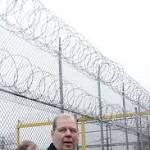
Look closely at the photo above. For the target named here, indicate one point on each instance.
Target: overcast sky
(119, 29)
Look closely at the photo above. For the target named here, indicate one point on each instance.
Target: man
(27, 145)
(64, 133)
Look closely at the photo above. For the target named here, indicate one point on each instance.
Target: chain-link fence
(35, 86)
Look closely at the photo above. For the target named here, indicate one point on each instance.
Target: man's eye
(73, 130)
(62, 130)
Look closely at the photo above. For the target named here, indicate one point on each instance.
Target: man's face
(32, 147)
(65, 136)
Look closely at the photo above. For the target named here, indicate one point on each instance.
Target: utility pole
(137, 129)
(125, 119)
(100, 108)
(60, 77)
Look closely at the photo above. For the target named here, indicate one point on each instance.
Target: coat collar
(51, 147)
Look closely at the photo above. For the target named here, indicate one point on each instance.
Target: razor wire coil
(18, 75)
(33, 22)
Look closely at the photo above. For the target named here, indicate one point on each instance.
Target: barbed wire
(20, 77)
(31, 21)
(17, 74)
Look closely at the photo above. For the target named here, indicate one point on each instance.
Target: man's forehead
(66, 121)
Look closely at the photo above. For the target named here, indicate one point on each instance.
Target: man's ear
(52, 133)
(78, 134)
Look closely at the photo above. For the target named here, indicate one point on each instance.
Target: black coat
(51, 147)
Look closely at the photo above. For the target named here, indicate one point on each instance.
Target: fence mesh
(30, 92)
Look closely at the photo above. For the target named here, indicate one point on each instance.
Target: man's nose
(68, 132)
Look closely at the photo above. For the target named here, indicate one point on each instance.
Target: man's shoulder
(51, 147)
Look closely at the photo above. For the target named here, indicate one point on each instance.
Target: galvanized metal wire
(19, 77)
(39, 90)
(33, 22)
